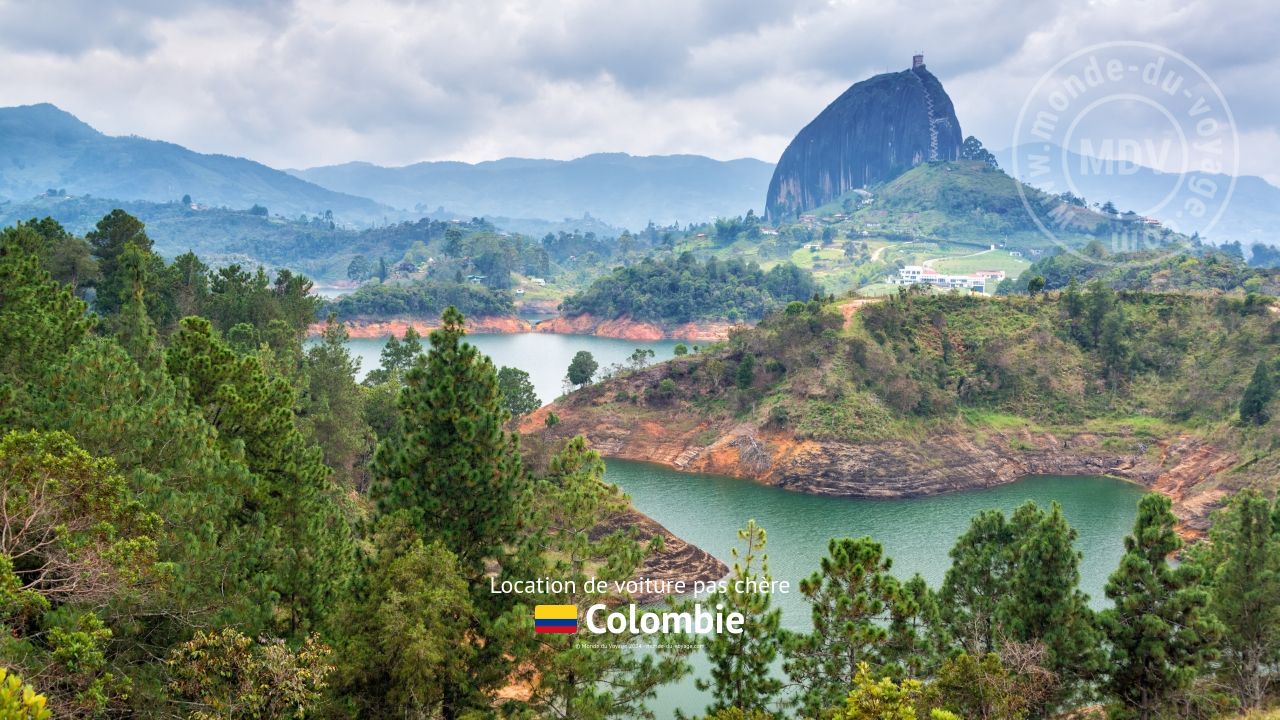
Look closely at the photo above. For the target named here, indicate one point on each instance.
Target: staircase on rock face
(933, 121)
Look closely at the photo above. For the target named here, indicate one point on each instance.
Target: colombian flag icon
(555, 618)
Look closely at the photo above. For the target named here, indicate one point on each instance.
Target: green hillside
(901, 365)
(970, 202)
(1197, 268)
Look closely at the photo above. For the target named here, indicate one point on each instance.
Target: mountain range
(44, 148)
(620, 189)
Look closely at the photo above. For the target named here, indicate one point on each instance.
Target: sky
(301, 83)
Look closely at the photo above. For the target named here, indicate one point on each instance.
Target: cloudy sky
(298, 83)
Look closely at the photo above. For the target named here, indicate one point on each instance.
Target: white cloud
(313, 82)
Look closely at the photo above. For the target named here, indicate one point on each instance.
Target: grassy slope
(967, 203)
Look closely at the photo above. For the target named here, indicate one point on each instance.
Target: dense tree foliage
(518, 395)
(454, 470)
(858, 619)
(682, 289)
(1160, 634)
(424, 298)
(1257, 395)
(581, 678)
(582, 368)
(196, 522)
(1240, 566)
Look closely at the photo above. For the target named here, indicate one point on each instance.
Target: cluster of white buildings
(981, 281)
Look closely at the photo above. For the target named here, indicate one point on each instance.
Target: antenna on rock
(917, 61)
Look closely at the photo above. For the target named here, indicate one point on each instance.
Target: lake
(708, 510)
(544, 356)
(916, 532)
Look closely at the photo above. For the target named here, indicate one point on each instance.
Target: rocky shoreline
(510, 325)
(381, 328)
(627, 329)
(678, 559)
(1187, 469)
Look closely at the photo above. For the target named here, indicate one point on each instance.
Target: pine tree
(454, 475)
(918, 639)
(453, 469)
(311, 561)
(1160, 634)
(978, 579)
(133, 326)
(1257, 395)
(1241, 565)
(332, 408)
(40, 321)
(577, 677)
(741, 664)
(1044, 604)
(398, 355)
(109, 240)
(851, 596)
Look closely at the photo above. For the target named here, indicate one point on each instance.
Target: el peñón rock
(875, 131)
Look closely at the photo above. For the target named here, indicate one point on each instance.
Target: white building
(981, 281)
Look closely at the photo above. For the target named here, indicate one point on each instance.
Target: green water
(917, 533)
(544, 356)
(708, 510)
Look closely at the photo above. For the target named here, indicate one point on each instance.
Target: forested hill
(880, 390)
(1197, 268)
(1066, 357)
(683, 289)
(422, 299)
(321, 248)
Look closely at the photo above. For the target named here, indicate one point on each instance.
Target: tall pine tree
(978, 579)
(851, 597)
(453, 469)
(1160, 634)
(312, 556)
(454, 474)
(741, 664)
(109, 240)
(1044, 605)
(1257, 394)
(578, 677)
(1241, 564)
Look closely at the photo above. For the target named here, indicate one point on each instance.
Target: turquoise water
(917, 533)
(544, 356)
(708, 510)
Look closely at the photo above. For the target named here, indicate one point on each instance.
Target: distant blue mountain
(619, 189)
(43, 147)
(1252, 215)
